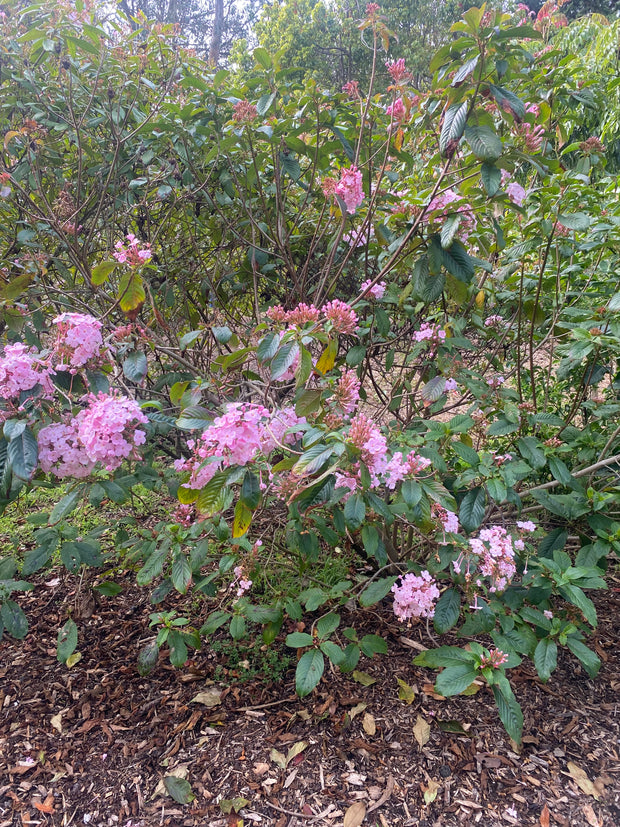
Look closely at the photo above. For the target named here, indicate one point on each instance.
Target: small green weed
(248, 662)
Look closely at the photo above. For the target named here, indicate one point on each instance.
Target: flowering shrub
(381, 323)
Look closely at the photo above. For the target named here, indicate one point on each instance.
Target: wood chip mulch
(91, 745)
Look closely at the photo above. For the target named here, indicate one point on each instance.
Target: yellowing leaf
(243, 518)
(300, 746)
(355, 814)
(406, 693)
(430, 791)
(278, 758)
(131, 292)
(480, 299)
(327, 359)
(368, 722)
(356, 710)
(421, 731)
(580, 777)
(73, 659)
(210, 697)
(363, 677)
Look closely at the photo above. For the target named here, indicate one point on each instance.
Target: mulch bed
(91, 744)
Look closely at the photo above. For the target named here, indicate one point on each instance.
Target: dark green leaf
(309, 672)
(491, 178)
(509, 712)
(135, 366)
(179, 789)
(14, 620)
(23, 454)
(147, 658)
(484, 142)
(67, 640)
(376, 591)
(472, 509)
(455, 679)
(447, 611)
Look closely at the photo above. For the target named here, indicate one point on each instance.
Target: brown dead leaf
(210, 697)
(544, 817)
(21, 768)
(591, 816)
(368, 722)
(46, 806)
(421, 731)
(356, 710)
(56, 721)
(260, 768)
(430, 790)
(580, 778)
(355, 814)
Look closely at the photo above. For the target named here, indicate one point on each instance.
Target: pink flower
(397, 70)
(352, 89)
(396, 110)
(448, 519)
(329, 187)
(495, 381)
(440, 205)
(243, 582)
(495, 551)
(495, 659)
(78, 340)
(415, 596)
(516, 193)
(244, 112)
(341, 315)
(375, 291)
(108, 429)
(493, 321)
(526, 525)
(61, 452)
(450, 385)
(347, 394)
(370, 443)
(132, 253)
(349, 188)
(22, 369)
(428, 332)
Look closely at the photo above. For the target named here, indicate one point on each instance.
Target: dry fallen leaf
(363, 677)
(356, 710)
(46, 806)
(368, 722)
(355, 814)
(56, 721)
(406, 693)
(421, 731)
(295, 750)
(544, 817)
(430, 791)
(591, 816)
(580, 777)
(210, 697)
(278, 758)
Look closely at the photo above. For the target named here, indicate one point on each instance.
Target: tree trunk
(216, 36)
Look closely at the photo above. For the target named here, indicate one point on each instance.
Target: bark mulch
(91, 745)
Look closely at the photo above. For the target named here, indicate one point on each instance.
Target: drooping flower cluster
(243, 581)
(396, 110)
(415, 596)
(244, 431)
(106, 431)
(371, 444)
(341, 315)
(352, 89)
(22, 369)
(516, 193)
(448, 519)
(78, 341)
(495, 553)
(375, 291)
(398, 71)
(346, 395)
(133, 253)
(399, 468)
(349, 188)
(494, 320)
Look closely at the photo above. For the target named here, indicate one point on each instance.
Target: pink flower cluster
(399, 468)
(495, 553)
(516, 193)
(244, 112)
(448, 519)
(22, 369)
(376, 291)
(346, 394)
(352, 89)
(341, 315)
(243, 581)
(78, 340)
(429, 332)
(396, 110)
(243, 432)
(106, 431)
(495, 659)
(370, 443)
(398, 71)
(349, 188)
(415, 596)
(493, 321)
(132, 253)
(301, 315)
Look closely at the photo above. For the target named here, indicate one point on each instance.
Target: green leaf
(457, 261)
(290, 165)
(529, 448)
(560, 472)
(147, 658)
(181, 574)
(444, 656)
(327, 625)
(449, 230)
(355, 356)
(67, 640)
(242, 519)
(14, 620)
(283, 359)
(66, 505)
(354, 511)
(131, 291)
(412, 492)
(263, 57)
(455, 679)
(491, 178)
(23, 454)
(484, 142)
(100, 272)
(447, 611)
(509, 712)
(428, 286)
(472, 509)
(214, 622)
(373, 645)
(588, 659)
(313, 459)
(333, 651)
(108, 588)
(263, 104)
(297, 640)
(71, 556)
(546, 658)
(194, 417)
(179, 789)
(376, 591)
(209, 496)
(135, 366)
(578, 221)
(466, 69)
(268, 347)
(178, 648)
(578, 598)
(309, 672)
(250, 490)
(237, 627)
(453, 127)
(508, 101)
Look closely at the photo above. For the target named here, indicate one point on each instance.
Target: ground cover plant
(372, 327)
